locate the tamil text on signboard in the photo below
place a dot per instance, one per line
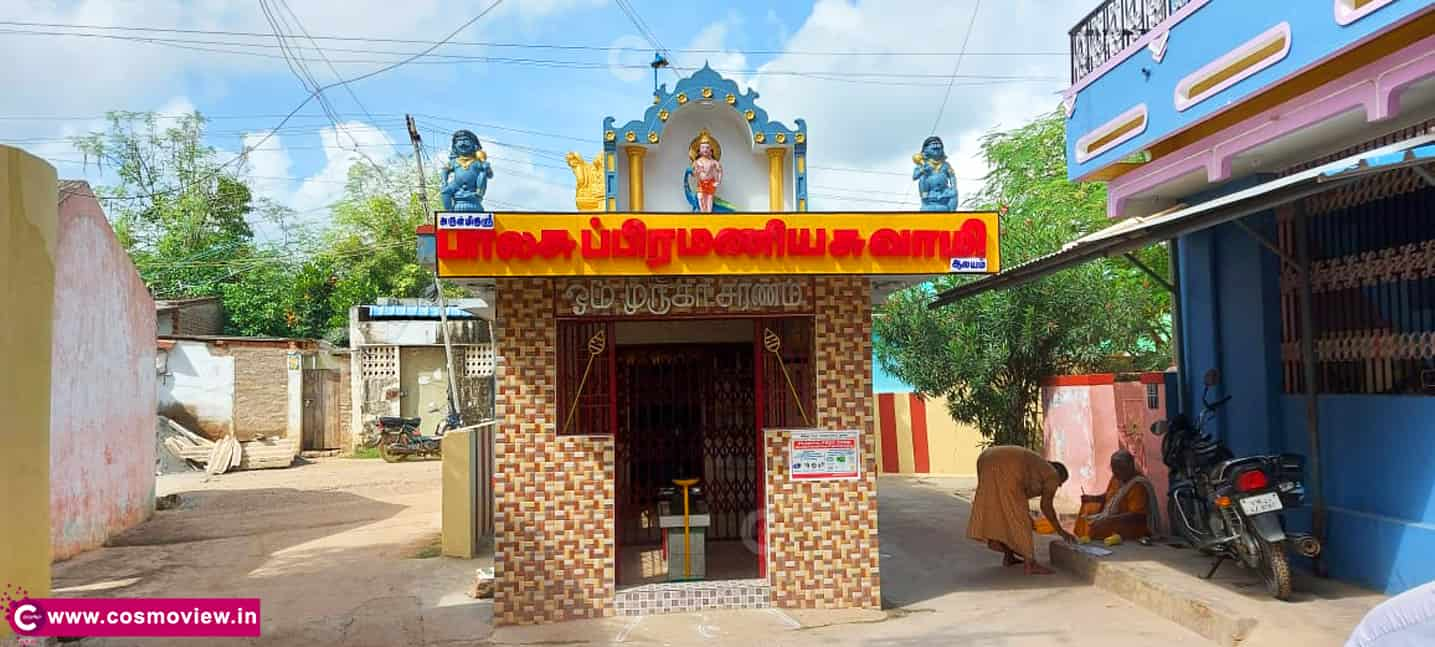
(658, 244)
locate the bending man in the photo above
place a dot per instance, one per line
(1007, 478)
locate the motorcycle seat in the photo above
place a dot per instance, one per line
(395, 421)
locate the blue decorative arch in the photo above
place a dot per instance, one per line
(706, 85)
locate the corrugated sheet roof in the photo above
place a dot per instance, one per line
(415, 312)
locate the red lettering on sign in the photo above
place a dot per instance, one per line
(807, 242)
(659, 247)
(603, 247)
(728, 242)
(632, 238)
(695, 242)
(846, 242)
(553, 243)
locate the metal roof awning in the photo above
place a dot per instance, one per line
(415, 312)
(1134, 233)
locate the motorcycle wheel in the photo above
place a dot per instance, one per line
(1275, 569)
(388, 454)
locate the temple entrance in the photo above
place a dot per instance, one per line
(687, 398)
(686, 403)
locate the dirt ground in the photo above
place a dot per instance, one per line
(340, 551)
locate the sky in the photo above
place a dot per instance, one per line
(534, 79)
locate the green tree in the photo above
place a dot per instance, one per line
(184, 216)
(988, 354)
(181, 212)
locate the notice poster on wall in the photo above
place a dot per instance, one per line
(824, 455)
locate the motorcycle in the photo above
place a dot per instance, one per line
(398, 438)
(1229, 507)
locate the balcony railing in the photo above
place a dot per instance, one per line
(1103, 33)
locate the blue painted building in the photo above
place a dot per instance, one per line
(1286, 152)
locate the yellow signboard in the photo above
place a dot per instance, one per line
(687, 244)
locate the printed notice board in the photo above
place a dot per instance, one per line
(824, 455)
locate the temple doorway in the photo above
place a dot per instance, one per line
(686, 402)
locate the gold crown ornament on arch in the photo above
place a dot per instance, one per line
(704, 137)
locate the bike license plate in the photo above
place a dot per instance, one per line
(1261, 503)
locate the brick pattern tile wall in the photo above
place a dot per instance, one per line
(822, 536)
(553, 520)
(261, 392)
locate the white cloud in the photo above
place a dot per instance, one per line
(626, 58)
(352, 142)
(713, 37)
(519, 184)
(877, 124)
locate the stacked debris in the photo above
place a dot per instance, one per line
(166, 460)
(226, 454)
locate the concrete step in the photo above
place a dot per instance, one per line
(1230, 609)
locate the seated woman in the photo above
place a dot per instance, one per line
(1128, 508)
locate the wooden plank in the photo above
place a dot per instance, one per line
(191, 436)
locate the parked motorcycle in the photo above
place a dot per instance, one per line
(399, 438)
(1229, 507)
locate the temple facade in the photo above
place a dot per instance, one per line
(684, 373)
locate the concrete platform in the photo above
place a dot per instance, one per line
(1230, 609)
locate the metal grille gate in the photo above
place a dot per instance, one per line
(685, 410)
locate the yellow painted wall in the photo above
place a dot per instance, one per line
(28, 221)
(459, 506)
(952, 448)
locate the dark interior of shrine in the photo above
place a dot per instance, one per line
(686, 410)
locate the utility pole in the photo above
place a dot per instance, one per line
(454, 420)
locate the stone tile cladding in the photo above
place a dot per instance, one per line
(553, 516)
(554, 497)
(689, 597)
(822, 536)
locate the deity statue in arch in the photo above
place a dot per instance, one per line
(936, 182)
(705, 153)
(466, 174)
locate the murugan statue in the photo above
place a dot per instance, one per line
(589, 179)
(466, 174)
(704, 152)
(936, 182)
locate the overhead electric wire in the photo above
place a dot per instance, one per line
(276, 19)
(542, 46)
(976, 7)
(836, 76)
(311, 96)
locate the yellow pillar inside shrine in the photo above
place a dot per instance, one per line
(635, 177)
(775, 157)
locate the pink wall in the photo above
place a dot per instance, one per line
(102, 394)
(1086, 418)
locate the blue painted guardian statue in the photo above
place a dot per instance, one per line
(466, 174)
(936, 182)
